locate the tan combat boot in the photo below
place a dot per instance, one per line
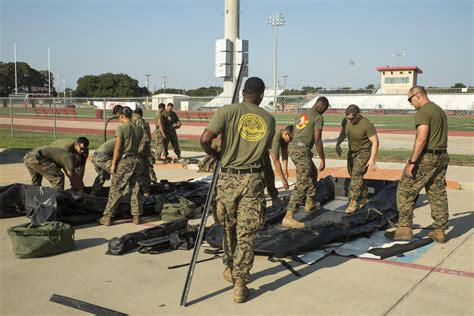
(352, 207)
(403, 234)
(364, 201)
(228, 275)
(240, 291)
(310, 205)
(105, 220)
(137, 219)
(437, 235)
(289, 221)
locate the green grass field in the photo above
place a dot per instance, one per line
(28, 140)
(457, 122)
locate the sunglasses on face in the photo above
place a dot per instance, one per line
(409, 99)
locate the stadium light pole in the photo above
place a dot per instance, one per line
(16, 76)
(275, 21)
(147, 87)
(399, 53)
(351, 64)
(164, 84)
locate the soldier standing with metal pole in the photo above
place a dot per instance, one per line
(247, 132)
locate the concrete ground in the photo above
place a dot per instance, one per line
(438, 282)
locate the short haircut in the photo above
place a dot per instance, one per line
(139, 111)
(170, 104)
(289, 129)
(161, 106)
(117, 108)
(254, 85)
(83, 141)
(418, 89)
(125, 110)
(323, 100)
(352, 109)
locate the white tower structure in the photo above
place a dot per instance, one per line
(231, 50)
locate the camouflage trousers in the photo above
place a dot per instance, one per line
(269, 176)
(357, 167)
(102, 163)
(240, 205)
(171, 137)
(40, 167)
(145, 176)
(159, 144)
(430, 173)
(306, 176)
(126, 175)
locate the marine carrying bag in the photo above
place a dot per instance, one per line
(48, 239)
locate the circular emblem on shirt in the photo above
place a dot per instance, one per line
(301, 121)
(252, 127)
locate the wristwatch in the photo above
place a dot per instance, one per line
(411, 162)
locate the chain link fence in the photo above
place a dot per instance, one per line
(27, 122)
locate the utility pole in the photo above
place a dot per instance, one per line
(148, 88)
(351, 64)
(49, 71)
(284, 81)
(164, 84)
(16, 76)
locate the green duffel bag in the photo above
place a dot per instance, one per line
(47, 239)
(181, 208)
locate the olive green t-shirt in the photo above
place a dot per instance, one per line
(131, 136)
(142, 124)
(170, 118)
(278, 143)
(65, 143)
(59, 156)
(434, 116)
(358, 134)
(107, 147)
(305, 125)
(159, 119)
(247, 132)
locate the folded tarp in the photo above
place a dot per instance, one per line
(43, 203)
(274, 214)
(322, 227)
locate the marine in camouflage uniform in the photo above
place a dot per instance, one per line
(79, 148)
(279, 144)
(159, 132)
(172, 123)
(426, 168)
(144, 150)
(247, 131)
(47, 162)
(363, 147)
(102, 161)
(129, 169)
(307, 133)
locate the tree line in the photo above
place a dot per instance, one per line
(119, 85)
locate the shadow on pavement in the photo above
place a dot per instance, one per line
(82, 244)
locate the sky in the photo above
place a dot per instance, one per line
(176, 39)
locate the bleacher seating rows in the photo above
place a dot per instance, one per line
(453, 102)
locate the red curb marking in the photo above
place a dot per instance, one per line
(423, 267)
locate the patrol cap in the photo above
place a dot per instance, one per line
(254, 85)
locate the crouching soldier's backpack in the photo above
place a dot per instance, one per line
(176, 209)
(47, 239)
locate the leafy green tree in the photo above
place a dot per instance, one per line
(459, 85)
(370, 86)
(27, 78)
(109, 85)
